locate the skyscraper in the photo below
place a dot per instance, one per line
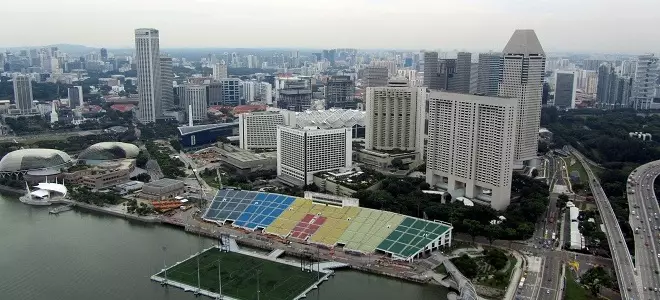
(645, 81)
(23, 93)
(565, 89)
(471, 146)
(75, 94)
(147, 59)
(395, 117)
(431, 77)
(462, 74)
(375, 76)
(219, 71)
(104, 54)
(231, 95)
(490, 66)
(195, 97)
(605, 71)
(522, 78)
(166, 83)
(340, 92)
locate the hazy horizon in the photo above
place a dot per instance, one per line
(602, 26)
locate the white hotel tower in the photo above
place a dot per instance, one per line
(147, 59)
(522, 78)
(471, 141)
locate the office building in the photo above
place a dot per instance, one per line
(104, 54)
(395, 117)
(375, 76)
(645, 81)
(474, 78)
(389, 64)
(258, 130)
(195, 98)
(231, 93)
(490, 66)
(471, 146)
(265, 92)
(248, 91)
(340, 92)
(447, 75)
(147, 60)
(463, 72)
(166, 83)
(75, 95)
(565, 89)
(605, 72)
(296, 95)
(591, 64)
(303, 152)
(431, 68)
(219, 71)
(522, 78)
(23, 93)
(214, 93)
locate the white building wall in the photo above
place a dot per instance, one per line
(219, 71)
(147, 58)
(195, 96)
(304, 152)
(258, 130)
(471, 142)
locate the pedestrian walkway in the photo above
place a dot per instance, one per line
(275, 253)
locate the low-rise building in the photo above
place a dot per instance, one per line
(129, 187)
(162, 189)
(101, 176)
(246, 161)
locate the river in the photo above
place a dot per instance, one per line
(82, 255)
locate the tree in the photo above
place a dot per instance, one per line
(424, 186)
(496, 258)
(473, 228)
(467, 266)
(535, 173)
(493, 231)
(176, 145)
(397, 163)
(141, 159)
(144, 177)
(561, 200)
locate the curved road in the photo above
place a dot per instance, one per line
(645, 221)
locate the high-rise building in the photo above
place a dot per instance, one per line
(104, 54)
(463, 72)
(219, 71)
(471, 146)
(23, 93)
(490, 67)
(375, 76)
(605, 72)
(591, 64)
(431, 68)
(231, 95)
(474, 78)
(565, 89)
(645, 81)
(147, 59)
(166, 83)
(396, 117)
(214, 93)
(195, 97)
(258, 130)
(522, 78)
(340, 92)
(75, 95)
(296, 95)
(303, 152)
(265, 92)
(447, 75)
(249, 91)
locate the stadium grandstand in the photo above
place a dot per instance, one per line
(355, 229)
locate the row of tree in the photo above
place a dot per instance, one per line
(171, 168)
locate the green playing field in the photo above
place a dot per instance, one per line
(239, 276)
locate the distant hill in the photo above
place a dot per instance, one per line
(66, 48)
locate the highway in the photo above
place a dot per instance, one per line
(629, 286)
(645, 221)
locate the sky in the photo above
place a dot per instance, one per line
(604, 26)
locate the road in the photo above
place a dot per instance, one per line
(623, 265)
(644, 218)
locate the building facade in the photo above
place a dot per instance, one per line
(340, 92)
(471, 146)
(195, 99)
(431, 76)
(490, 66)
(395, 117)
(303, 152)
(463, 72)
(147, 60)
(565, 89)
(75, 95)
(523, 69)
(23, 93)
(166, 83)
(375, 76)
(258, 130)
(645, 81)
(231, 94)
(220, 71)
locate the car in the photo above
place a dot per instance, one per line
(547, 291)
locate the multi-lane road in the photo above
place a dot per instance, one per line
(628, 285)
(645, 221)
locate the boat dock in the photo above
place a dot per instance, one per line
(60, 209)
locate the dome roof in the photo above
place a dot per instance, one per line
(33, 159)
(109, 151)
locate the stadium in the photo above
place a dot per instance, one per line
(106, 151)
(354, 229)
(35, 162)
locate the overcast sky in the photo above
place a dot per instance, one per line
(561, 25)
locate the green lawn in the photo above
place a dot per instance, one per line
(575, 291)
(239, 276)
(576, 166)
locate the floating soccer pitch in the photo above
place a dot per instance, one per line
(243, 276)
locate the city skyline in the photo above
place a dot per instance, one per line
(366, 24)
